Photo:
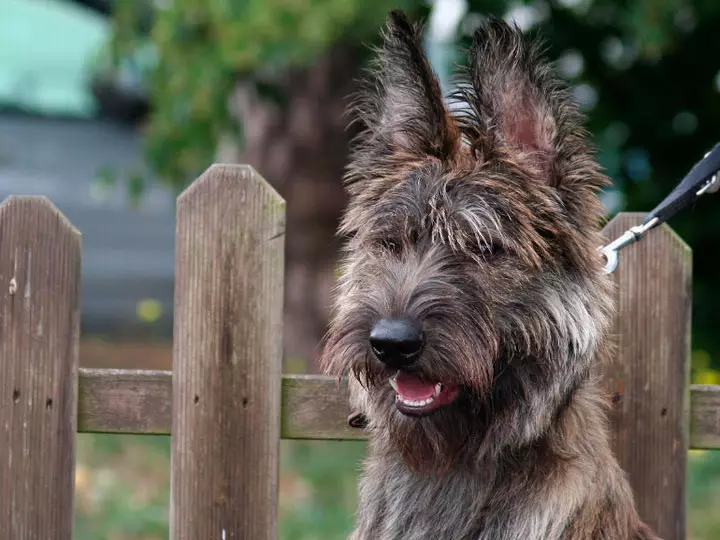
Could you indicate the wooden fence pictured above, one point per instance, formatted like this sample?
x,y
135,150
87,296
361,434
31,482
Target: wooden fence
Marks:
x,y
227,404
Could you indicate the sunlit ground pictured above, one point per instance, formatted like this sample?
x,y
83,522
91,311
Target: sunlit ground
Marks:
x,y
123,487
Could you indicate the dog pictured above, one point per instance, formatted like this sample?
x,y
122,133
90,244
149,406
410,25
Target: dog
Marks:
x,y
472,311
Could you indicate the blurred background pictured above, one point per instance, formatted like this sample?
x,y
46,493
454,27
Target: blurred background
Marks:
x,y
111,107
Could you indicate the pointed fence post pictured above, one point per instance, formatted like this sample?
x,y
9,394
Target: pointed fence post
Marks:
x,y
227,357
40,255
648,377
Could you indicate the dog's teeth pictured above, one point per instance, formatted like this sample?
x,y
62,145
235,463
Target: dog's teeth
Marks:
x,y
419,403
393,383
438,389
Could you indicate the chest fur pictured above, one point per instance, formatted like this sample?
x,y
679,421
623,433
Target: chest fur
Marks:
x,y
396,504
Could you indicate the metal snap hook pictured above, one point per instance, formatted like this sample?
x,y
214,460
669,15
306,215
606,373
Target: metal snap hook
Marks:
x,y
611,259
633,234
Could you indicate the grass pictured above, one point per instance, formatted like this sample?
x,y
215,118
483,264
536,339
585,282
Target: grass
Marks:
x,y
123,487
123,483
704,495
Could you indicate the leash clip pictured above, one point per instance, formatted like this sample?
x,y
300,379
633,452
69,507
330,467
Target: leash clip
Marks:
x,y
703,178
632,235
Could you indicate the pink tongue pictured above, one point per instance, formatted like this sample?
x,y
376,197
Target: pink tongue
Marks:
x,y
414,388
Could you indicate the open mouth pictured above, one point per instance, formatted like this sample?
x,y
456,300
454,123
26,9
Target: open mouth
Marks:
x,y
415,396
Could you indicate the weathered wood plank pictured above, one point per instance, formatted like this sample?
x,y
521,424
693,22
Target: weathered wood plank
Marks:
x,y
125,401
313,406
316,407
705,417
227,357
39,333
649,374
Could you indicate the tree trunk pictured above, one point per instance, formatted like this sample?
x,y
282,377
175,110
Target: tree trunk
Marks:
x,y
301,148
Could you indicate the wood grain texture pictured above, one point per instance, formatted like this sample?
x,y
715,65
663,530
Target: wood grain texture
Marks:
x,y
705,417
648,376
316,407
39,333
227,357
125,401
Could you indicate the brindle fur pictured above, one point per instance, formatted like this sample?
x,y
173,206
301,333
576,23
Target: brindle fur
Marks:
x,y
481,222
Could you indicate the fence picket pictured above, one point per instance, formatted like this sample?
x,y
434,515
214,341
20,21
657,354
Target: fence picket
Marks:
x,y
648,376
39,334
227,357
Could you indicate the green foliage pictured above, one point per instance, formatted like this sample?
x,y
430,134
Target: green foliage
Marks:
x,y
204,47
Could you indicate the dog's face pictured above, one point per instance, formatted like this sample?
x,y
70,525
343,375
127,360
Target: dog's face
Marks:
x,y
472,297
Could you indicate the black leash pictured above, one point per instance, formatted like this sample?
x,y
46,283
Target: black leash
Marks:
x,y
703,178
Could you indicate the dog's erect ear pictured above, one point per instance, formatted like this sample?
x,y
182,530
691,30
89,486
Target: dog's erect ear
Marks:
x,y
401,107
516,104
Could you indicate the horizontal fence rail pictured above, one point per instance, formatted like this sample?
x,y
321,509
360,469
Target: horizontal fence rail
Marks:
x,y
313,406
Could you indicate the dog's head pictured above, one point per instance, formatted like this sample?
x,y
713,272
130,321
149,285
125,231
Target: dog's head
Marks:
x,y
472,297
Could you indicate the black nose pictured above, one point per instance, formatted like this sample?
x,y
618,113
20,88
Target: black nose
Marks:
x,y
397,342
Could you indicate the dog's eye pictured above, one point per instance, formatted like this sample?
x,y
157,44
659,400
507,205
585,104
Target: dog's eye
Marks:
x,y
487,249
391,245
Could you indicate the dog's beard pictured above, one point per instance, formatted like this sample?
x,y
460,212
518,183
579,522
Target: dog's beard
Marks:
x,y
434,443
430,443
479,422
